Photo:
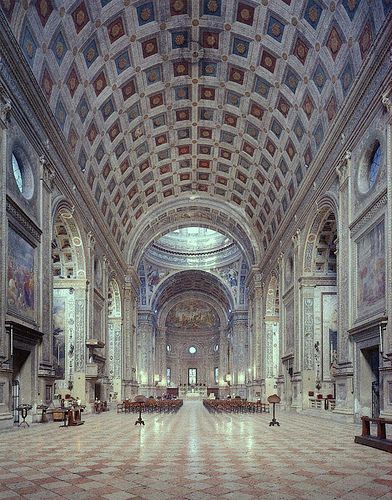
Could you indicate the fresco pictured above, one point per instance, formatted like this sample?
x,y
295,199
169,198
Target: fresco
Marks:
x,y
371,270
192,314
59,337
20,278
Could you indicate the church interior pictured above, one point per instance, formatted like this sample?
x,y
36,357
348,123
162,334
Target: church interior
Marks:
x,y
196,215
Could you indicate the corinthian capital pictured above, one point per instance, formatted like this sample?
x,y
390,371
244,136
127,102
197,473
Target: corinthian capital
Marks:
x,y
47,170
343,169
386,99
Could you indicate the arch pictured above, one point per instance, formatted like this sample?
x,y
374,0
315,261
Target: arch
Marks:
x,y
325,208
67,244
205,214
192,280
173,301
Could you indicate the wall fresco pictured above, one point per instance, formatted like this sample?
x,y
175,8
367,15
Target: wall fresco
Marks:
x,y
192,314
371,270
20,278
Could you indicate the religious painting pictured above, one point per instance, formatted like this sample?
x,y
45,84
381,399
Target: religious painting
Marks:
x,y
194,314
371,270
59,337
20,279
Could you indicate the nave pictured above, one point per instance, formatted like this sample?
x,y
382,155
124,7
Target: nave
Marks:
x,y
193,454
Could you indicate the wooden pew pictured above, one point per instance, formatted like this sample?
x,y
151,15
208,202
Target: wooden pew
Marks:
x,y
379,441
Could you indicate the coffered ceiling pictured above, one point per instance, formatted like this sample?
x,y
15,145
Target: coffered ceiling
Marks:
x,y
171,99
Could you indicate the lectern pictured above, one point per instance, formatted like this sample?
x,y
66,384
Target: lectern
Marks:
x,y
274,399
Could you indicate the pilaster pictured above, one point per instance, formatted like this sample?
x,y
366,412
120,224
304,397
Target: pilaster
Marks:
x,y
46,288
386,333
343,373
240,341
129,342
256,337
5,352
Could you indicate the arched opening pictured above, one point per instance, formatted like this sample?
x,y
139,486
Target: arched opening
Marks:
x,y
320,312
192,325
69,306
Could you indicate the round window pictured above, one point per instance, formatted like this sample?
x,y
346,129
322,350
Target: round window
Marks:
x,y
374,164
17,171
369,167
23,176
192,350
168,348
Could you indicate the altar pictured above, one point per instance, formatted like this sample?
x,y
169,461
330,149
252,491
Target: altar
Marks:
x,y
193,392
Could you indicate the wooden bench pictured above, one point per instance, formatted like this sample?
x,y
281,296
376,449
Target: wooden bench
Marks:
x,y
379,441
235,406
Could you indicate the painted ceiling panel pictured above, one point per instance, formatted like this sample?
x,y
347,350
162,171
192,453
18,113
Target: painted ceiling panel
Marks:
x,y
228,98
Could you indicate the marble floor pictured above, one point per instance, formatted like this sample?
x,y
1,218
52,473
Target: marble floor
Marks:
x,y
192,455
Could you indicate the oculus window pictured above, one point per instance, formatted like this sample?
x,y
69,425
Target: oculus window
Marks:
x,y
192,350
374,164
17,171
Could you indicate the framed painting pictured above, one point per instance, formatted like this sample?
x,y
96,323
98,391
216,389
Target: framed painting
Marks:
x,y
371,271
20,276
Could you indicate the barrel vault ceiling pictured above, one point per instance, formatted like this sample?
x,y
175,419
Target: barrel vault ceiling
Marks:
x,y
223,99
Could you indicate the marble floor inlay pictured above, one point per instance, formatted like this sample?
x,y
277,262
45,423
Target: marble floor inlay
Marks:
x,y
192,455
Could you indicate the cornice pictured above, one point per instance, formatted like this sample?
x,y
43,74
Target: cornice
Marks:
x,y
19,217
370,212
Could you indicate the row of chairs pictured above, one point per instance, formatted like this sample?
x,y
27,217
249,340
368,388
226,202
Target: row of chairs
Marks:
x,y
150,406
235,406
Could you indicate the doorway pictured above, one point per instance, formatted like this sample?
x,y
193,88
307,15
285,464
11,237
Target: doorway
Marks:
x,y
370,381
21,379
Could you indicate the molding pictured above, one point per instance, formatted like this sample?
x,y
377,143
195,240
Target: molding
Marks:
x,y
19,218
5,107
370,214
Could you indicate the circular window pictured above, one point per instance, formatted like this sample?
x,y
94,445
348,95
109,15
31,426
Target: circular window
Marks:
x,y
17,171
23,176
192,350
369,167
374,164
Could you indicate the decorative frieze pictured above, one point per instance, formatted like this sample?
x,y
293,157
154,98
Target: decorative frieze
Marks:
x,y
308,330
23,220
